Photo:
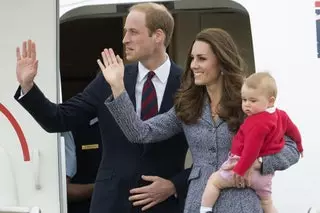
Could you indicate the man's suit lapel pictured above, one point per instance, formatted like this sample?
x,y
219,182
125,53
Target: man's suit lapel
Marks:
x,y
130,80
172,86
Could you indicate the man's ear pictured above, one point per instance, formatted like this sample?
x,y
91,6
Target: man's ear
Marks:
x,y
159,36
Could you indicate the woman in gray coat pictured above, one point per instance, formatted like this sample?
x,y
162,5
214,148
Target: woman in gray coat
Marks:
x,y
207,108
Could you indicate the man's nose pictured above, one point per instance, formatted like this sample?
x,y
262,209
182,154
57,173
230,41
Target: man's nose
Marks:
x,y
125,39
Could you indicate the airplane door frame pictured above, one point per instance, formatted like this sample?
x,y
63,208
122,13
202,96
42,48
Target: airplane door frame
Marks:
x,y
37,20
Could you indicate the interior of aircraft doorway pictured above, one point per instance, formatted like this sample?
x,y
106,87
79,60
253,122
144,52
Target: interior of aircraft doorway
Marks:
x,y
81,42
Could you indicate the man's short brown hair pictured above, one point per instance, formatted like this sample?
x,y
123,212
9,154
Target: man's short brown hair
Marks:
x,y
157,17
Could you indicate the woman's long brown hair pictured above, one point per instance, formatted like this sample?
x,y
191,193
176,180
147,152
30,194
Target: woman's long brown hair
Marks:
x,y
190,98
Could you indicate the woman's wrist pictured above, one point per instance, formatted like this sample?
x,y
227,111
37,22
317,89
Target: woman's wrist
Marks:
x,y
117,90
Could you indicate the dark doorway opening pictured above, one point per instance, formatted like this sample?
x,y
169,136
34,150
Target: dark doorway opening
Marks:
x,y
81,42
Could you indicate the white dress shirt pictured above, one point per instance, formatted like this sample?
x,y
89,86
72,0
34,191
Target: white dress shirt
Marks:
x,y
159,81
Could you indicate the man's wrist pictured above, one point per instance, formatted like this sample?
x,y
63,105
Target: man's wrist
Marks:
x,y
172,188
25,88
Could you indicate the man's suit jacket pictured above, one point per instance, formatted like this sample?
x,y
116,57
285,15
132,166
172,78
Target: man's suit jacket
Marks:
x,y
122,162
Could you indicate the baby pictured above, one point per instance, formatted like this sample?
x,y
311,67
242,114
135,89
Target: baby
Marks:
x,y
262,133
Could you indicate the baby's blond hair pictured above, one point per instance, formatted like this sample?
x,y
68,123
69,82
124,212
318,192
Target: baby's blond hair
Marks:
x,y
263,81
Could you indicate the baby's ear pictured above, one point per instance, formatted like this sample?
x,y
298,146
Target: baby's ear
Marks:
x,y
272,100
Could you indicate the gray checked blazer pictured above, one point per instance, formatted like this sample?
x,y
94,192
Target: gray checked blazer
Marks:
x,y
209,143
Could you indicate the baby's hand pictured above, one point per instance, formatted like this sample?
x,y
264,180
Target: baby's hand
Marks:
x,y
239,181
